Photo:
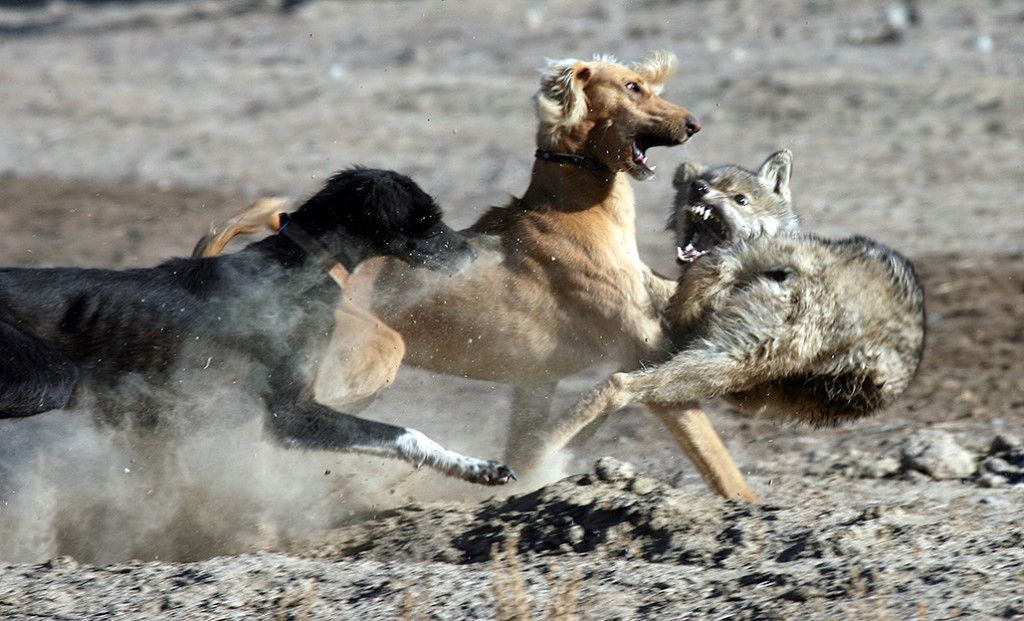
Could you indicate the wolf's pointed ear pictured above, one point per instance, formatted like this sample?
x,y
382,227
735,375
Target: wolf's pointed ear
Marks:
x,y
775,172
657,70
561,102
686,173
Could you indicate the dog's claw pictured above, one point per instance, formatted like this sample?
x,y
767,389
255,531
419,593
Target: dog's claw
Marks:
x,y
492,473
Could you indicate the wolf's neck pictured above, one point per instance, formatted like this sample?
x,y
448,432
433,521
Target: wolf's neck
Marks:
x,y
567,189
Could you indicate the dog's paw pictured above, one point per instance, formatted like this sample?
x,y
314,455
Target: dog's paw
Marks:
x,y
490,473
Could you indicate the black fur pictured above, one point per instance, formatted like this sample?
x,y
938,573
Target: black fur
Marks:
x,y
261,314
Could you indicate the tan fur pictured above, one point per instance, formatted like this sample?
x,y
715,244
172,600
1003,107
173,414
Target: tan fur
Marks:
x,y
265,212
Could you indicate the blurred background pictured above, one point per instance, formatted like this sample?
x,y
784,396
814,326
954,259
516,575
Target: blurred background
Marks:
x,y
126,128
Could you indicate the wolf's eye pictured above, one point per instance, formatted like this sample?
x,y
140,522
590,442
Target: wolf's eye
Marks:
x,y
741,199
778,275
633,86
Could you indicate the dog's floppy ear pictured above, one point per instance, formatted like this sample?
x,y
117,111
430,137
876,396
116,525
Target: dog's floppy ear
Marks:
x,y
775,172
561,102
657,70
686,173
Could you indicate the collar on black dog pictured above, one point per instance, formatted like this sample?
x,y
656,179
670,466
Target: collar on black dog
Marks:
x,y
303,240
583,161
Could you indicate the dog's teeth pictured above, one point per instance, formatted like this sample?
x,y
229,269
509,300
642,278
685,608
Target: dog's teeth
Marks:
x,y
707,214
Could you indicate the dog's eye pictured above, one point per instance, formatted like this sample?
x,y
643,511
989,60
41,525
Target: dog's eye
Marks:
x,y
633,86
778,275
741,199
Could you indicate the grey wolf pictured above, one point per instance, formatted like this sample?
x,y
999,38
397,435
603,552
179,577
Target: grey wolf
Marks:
x,y
808,329
263,311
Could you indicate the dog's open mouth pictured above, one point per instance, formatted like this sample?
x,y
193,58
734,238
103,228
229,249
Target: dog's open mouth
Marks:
x,y
704,229
642,142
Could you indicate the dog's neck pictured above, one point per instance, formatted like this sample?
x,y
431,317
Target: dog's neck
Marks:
x,y
583,161
295,250
569,188
315,251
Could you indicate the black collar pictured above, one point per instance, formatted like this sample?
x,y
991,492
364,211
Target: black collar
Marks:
x,y
583,161
303,240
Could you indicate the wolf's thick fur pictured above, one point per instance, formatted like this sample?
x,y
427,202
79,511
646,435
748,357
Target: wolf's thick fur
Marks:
x,y
814,330
258,316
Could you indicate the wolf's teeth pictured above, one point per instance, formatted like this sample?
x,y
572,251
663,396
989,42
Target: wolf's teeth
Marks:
x,y
707,214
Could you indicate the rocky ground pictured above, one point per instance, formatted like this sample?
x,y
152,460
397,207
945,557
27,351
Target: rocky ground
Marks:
x,y
127,128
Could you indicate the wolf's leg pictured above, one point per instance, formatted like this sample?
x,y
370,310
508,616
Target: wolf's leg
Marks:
x,y
545,440
309,425
670,390
531,407
34,377
693,432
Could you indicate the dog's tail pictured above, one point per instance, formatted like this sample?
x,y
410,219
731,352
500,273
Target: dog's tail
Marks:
x,y
264,212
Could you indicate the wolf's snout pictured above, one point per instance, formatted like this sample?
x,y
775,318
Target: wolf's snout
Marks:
x,y
691,124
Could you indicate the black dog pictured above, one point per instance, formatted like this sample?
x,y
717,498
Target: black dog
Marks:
x,y
260,314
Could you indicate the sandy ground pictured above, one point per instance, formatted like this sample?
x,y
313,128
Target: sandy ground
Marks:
x,y
126,130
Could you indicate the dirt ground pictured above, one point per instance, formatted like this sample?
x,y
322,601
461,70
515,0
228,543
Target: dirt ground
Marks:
x,y
125,129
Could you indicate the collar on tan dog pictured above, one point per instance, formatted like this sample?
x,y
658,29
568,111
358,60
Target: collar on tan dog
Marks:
x,y
583,161
303,240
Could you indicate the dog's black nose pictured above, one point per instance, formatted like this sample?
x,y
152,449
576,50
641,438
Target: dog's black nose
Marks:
x,y
692,125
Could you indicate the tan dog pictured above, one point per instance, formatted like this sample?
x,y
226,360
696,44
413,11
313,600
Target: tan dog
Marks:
x,y
565,288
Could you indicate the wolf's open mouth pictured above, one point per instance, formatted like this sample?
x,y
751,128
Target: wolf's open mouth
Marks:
x,y
642,142
704,228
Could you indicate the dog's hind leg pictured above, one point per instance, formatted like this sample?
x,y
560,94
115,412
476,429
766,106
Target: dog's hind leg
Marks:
x,y
309,425
531,407
34,377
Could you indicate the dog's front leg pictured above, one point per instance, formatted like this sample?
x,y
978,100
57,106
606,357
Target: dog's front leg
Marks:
x,y
672,390
659,288
309,425
693,432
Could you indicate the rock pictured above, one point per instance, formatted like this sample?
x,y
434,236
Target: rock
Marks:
x,y
937,454
995,465
869,466
913,476
61,562
991,480
643,485
610,469
1003,442
1009,467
